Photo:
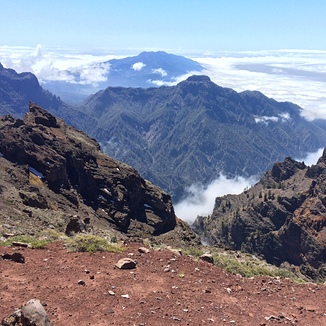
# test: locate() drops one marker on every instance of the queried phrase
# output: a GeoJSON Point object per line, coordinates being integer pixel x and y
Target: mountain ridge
{"type": "Point", "coordinates": [197, 120]}
{"type": "Point", "coordinates": [282, 218]}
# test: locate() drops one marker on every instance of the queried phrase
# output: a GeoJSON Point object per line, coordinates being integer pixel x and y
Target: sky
{"type": "Point", "coordinates": [187, 26]}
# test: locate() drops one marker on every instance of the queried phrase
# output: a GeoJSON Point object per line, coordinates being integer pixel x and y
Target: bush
{"type": "Point", "coordinates": [192, 251]}
{"type": "Point", "coordinates": [91, 244]}
{"type": "Point", "coordinates": [248, 268]}
{"type": "Point", "coordinates": [32, 241]}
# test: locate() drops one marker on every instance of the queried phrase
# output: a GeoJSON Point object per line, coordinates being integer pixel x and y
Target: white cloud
{"type": "Point", "coordinates": [200, 199]}
{"type": "Point", "coordinates": [160, 71]}
{"type": "Point", "coordinates": [311, 158]}
{"type": "Point", "coordinates": [285, 116]}
{"type": "Point", "coordinates": [57, 65]}
{"type": "Point", "coordinates": [138, 66]}
{"type": "Point", "coordinates": [265, 119]}
{"type": "Point", "coordinates": [174, 80]}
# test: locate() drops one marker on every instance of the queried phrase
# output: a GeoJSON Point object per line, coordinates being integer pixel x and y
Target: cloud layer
{"type": "Point", "coordinates": [296, 76]}
{"type": "Point", "coordinates": [200, 199]}
{"type": "Point", "coordinates": [311, 158]}
{"type": "Point", "coordinates": [58, 65]}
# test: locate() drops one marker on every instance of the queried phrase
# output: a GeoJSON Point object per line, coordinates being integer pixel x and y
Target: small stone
{"type": "Point", "coordinates": [92, 277]}
{"type": "Point", "coordinates": [111, 292]}
{"type": "Point", "coordinates": [207, 257]}
{"type": "Point", "coordinates": [16, 257]}
{"type": "Point", "coordinates": [125, 296]}
{"type": "Point", "coordinates": [126, 263]}
{"type": "Point", "coordinates": [21, 244]}
{"type": "Point", "coordinates": [81, 282]}
{"type": "Point", "coordinates": [87, 271]}
{"type": "Point", "coordinates": [175, 251]}
{"type": "Point", "coordinates": [143, 250]}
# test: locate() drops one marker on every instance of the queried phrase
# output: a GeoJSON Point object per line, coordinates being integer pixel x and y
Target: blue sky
{"type": "Point", "coordinates": [184, 26]}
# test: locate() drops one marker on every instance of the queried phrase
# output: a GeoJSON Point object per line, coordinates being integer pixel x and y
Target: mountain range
{"type": "Point", "coordinates": [192, 132]}
{"type": "Point", "coordinates": [176, 136]}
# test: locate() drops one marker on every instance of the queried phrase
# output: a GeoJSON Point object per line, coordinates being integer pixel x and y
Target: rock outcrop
{"type": "Point", "coordinates": [32, 313]}
{"type": "Point", "coordinates": [282, 218]}
{"type": "Point", "coordinates": [57, 169]}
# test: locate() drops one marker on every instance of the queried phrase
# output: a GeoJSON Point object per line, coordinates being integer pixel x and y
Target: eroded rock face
{"type": "Point", "coordinates": [55, 156]}
{"type": "Point", "coordinates": [282, 218]}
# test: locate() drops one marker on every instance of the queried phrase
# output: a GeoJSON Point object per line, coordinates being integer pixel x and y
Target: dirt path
{"type": "Point", "coordinates": [164, 289]}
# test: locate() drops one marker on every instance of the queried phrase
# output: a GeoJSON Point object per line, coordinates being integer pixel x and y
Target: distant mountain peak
{"type": "Point", "coordinates": [198, 78]}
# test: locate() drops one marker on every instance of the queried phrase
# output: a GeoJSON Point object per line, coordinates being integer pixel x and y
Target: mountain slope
{"type": "Point", "coordinates": [195, 130]}
{"type": "Point", "coordinates": [282, 218]}
{"type": "Point", "coordinates": [17, 90]}
{"type": "Point", "coordinates": [51, 171]}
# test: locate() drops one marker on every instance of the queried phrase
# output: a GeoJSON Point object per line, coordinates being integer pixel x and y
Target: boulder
{"type": "Point", "coordinates": [31, 313]}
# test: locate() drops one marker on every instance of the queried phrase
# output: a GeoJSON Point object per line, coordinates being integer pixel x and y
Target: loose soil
{"type": "Point", "coordinates": [164, 289]}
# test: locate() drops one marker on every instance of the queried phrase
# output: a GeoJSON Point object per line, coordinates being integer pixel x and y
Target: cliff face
{"type": "Point", "coordinates": [54, 167]}
{"type": "Point", "coordinates": [282, 217]}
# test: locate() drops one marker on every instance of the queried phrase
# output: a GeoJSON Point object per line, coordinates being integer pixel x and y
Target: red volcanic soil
{"type": "Point", "coordinates": [164, 289]}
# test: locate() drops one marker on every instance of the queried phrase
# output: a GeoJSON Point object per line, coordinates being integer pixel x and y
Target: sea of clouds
{"type": "Point", "coordinates": [297, 76]}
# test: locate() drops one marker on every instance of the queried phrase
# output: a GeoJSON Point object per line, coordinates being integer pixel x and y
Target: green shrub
{"type": "Point", "coordinates": [32, 241]}
{"type": "Point", "coordinates": [248, 268]}
{"type": "Point", "coordinates": [91, 244]}
{"type": "Point", "coordinates": [192, 251]}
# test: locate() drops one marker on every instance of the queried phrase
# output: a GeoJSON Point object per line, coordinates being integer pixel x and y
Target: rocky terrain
{"type": "Point", "coordinates": [163, 289]}
{"type": "Point", "coordinates": [282, 218]}
{"type": "Point", "coordinates": [54, 176]}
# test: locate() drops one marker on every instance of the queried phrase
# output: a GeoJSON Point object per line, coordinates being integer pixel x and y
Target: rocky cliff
{"type": "Point", "coordinates": [53, 175]}
{"type": "Point", "coordinates": [282, 218]}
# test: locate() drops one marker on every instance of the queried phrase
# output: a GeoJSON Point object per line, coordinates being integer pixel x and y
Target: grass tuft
{"type": "Point", "coordinates": [249, 268]}
{"type": "Point", "coordinates": [32, 241]}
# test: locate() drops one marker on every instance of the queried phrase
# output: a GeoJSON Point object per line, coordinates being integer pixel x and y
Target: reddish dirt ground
{"type": "Point", "coordinates": [190, 293]}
